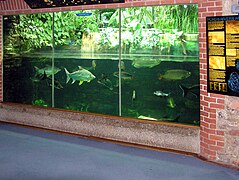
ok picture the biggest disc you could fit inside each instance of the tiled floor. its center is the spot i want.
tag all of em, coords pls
(35, 154)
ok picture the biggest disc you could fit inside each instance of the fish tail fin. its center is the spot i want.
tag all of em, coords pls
(195, 94)
(160, 77)
(185, 90)
(67, 76)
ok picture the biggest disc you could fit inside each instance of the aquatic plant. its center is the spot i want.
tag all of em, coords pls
(77, 107)
(39, 102)
(32, 31)
(71, 107)
(142, 27)
(181, 17)
(157, 27)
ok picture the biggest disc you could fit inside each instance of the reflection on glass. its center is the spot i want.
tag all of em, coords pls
(26, 78)
(87, 69)
(160, 50)
(154, 71)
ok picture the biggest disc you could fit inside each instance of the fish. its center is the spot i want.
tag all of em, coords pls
(133, 95)
(48, 70)
(124, 75)
(48, 80)
(146, 117)
(39, 77)
(105, 82)
(35, 79)
(175, 74)
(161, 94)
(57, 83)
(195, 90)
(171, 102)
(93, 63)
(145, 63)
(169, 119)
(92, 67)
(80, 75)
(121, 65)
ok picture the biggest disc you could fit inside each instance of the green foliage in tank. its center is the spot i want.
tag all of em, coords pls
(34, 31)
(156, 28)
(142, 28)
(39, 102)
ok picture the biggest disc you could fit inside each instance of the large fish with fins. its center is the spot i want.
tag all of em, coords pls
(195, 90)
(48, 70)
(80, 75)
(175, 74)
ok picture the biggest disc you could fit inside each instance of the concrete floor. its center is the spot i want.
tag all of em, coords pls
(35, 154)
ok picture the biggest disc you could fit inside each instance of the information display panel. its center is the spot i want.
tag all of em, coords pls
(223, 54)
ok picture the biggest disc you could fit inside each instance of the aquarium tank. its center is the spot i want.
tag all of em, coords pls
(138, 62)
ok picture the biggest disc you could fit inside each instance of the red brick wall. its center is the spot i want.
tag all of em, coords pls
(1, 98)
(214, 136)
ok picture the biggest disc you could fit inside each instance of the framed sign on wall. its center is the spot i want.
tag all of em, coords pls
(223, 54)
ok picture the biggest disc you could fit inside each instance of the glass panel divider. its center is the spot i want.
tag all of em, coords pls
(119, 64)
(52, 65)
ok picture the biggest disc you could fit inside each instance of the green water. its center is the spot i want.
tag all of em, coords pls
(138, 98)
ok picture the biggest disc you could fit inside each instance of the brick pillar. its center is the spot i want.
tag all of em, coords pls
(1, 95)
(211, 138)
(219, 135)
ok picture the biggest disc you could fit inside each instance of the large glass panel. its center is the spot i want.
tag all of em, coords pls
(160, 67)
(87, 61)
(25, 77)
(139, 62)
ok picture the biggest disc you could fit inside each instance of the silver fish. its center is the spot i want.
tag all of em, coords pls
(195, 90)
(133, 95)
(105, 82)
(48, 70)
(147, 118)
(80, 75)
(161, 94)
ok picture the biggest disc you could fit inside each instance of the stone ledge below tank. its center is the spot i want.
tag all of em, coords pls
(155, 134)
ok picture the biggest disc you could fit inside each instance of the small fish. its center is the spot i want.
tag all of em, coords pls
(121, 65)
(57, 83)
(93, 63)
(35, 79)
(124, 75)
(171, 102)
(146, 117)
(169, 119)
(161, 94)
(195, 90)
(92, 67)
(105, 82)
(39, 77)
(133, 95)
(80, 75)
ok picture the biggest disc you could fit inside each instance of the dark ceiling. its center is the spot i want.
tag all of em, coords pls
(63, 3)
